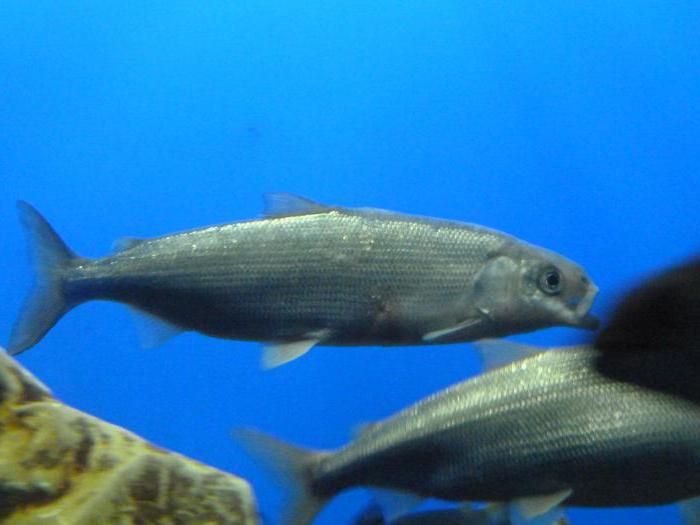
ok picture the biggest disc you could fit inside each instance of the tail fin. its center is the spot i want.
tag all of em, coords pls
(294, 468)
(46, 303)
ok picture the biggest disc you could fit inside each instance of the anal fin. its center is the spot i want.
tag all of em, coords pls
(533, 506)
(153, 331)
(278, 354)
(395, 503)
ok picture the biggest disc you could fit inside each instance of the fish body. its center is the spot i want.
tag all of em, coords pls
(315, 274)
(550, 424)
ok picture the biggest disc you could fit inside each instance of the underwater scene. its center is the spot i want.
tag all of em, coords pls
(267, 236)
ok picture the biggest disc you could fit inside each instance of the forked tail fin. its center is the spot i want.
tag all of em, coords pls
(46, 303)
(293, 467)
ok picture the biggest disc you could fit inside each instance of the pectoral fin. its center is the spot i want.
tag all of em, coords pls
(451, 330)
(534, 506)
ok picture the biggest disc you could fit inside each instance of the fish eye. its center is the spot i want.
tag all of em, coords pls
(551, 281)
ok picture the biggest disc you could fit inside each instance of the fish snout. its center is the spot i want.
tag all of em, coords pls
(582, 318)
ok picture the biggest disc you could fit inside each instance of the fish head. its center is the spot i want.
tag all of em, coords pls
(557, 290)
(525, 288)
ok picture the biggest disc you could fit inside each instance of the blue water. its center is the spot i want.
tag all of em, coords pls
(575, 126)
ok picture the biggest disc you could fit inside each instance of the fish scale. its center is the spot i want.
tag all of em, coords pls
(281, 252)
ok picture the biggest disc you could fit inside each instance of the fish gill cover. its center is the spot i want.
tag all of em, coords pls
(572, 127)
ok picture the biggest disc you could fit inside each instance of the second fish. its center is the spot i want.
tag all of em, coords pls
(310, 274)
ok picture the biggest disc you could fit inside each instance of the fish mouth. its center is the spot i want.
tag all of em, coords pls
(580, 316)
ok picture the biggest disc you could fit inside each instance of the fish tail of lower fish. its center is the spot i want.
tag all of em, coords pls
(293, 466)
(47, 302)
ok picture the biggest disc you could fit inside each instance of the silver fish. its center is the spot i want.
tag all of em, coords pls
(546, 430)
(310, 274)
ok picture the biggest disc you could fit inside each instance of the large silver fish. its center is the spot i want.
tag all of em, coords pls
(544, 430)
(310, 274)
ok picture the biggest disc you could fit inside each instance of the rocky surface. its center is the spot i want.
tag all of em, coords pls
(59, 466)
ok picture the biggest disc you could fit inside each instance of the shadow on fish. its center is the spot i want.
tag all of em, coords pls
(661, 313)
(308, 274)
(653, 336)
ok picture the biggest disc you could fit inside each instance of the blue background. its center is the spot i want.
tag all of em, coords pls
(573, 125)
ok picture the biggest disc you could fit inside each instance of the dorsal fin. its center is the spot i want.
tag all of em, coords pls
(126, 243)
(496, 353)
(361, 428)
(287, 205)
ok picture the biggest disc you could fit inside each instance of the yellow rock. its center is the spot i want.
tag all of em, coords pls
(59, 466)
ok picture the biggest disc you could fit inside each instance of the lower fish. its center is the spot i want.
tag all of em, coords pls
(545, 430)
